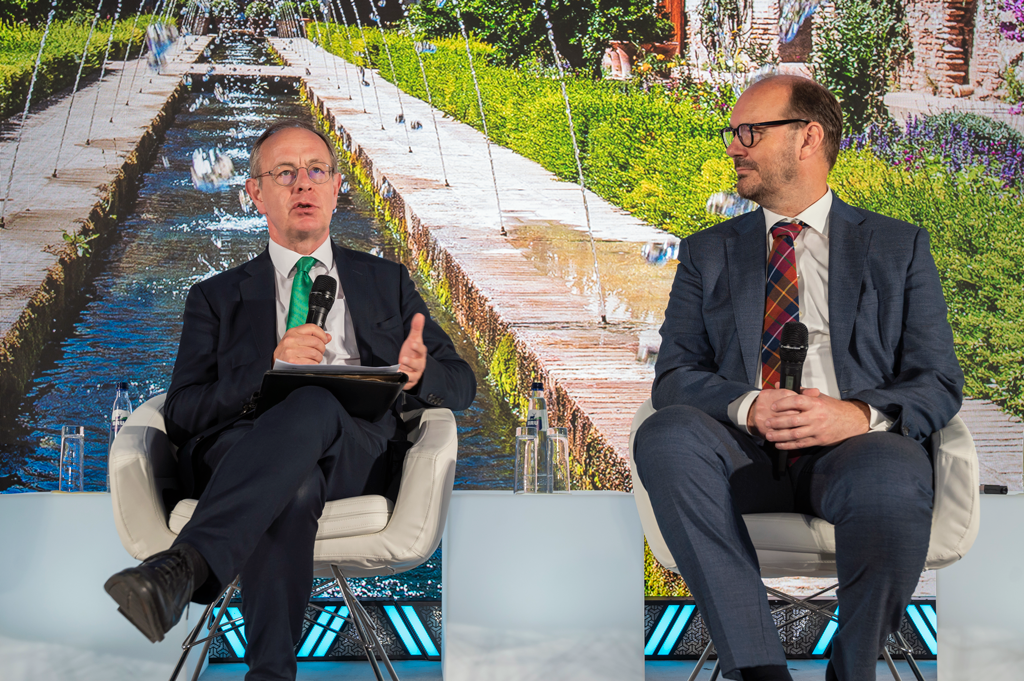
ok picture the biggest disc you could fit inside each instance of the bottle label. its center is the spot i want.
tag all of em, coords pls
(538, 420)
(118, 417)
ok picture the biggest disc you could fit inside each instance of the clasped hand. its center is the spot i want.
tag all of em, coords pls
(808, 419)
(307, 343)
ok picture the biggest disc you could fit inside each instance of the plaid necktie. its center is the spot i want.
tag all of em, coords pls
(782, 301)
(298, 310)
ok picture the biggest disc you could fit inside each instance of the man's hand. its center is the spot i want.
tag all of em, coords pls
(304, 344)
(761, 410)
(412, 358)
(811, 419)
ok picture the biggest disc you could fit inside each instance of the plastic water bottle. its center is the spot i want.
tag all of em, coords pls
(118, 415)
(537, 417)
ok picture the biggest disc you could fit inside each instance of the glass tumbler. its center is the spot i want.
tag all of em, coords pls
(558, 444)
(72, 459)
(526, 461)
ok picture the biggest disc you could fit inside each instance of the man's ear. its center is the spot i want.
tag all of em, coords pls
(812, 140)
(252, 187)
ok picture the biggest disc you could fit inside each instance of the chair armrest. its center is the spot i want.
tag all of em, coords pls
(136, 485)
(956, 511)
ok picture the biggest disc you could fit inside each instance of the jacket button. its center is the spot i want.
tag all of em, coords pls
(906, 431)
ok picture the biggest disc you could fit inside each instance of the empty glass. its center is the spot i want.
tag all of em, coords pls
(72, 459)
(526, 461)
(558, 447)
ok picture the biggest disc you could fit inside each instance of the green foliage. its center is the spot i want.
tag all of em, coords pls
(19, 45)
(80, 242)
(658, 581)
(857, 51)
(224, 9)
(654, 152)
(258, 9)
(1013, 81)
(516, 28)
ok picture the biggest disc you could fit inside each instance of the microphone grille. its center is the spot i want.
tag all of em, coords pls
(793, 344)
(324, 291)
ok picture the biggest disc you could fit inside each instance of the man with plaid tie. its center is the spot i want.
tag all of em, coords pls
(880, 377)
(262, 482)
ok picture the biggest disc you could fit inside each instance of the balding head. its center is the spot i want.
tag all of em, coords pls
(804, 98)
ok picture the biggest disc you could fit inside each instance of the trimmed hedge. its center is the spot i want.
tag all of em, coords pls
(19, 45)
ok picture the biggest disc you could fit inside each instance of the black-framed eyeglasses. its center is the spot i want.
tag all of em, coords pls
(286, 174)
(745, 131)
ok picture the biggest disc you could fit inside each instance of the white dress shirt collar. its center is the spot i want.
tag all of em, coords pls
(815, 216)
(284, 259)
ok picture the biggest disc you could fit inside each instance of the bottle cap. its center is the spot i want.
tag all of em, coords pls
(537, 386)
(122, 385)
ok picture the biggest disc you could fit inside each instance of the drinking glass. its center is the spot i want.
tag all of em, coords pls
(558, 445)
(72, 459)
(526, 461)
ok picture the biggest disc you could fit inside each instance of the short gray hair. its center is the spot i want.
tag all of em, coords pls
(255, 156)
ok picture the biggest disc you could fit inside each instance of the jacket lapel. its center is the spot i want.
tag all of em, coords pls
(848, 241)
(352, 276)
(746, 261)
(259, 298)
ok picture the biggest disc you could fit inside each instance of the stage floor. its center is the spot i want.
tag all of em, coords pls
(415, 670)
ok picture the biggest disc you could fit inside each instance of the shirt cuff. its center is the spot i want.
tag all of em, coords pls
(740, 408)
(878, 422)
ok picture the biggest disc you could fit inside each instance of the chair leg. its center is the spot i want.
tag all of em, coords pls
(892, 665)
(703, 658)
(190, 640)
(365, 628)
(908, 655)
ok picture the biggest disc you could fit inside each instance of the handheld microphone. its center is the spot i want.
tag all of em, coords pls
(321, 298)
(792, 353)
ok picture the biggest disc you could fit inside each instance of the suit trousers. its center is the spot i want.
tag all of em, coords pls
(702, 475)
(258, 515)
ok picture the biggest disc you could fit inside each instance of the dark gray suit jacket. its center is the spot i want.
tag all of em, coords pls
(230, 332)
(892, 346)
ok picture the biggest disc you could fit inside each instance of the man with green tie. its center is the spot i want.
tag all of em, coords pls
(262, 483)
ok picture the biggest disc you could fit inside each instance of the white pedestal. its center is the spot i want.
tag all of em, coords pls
(981, 599)
(541, 587)
(56, 621)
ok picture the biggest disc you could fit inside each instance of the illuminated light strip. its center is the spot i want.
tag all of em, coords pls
(231, 636)
(677, 629)
(420, 630)
(403, 631)
(333, 627)
(314, 632)
(929, 612)
(659, 630)
(826, 636)
(922, 629)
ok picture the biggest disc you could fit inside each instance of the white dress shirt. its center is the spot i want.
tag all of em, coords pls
(342, 349)
(811, 247)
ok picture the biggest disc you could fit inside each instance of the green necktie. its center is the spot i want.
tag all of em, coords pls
(301, 285)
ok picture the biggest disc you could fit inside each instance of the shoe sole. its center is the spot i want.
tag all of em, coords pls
(135, 602)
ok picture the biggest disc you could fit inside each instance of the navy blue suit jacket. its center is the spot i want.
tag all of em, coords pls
(229, 335)
(892, 346)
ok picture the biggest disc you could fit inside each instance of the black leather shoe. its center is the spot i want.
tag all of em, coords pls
(153, 595)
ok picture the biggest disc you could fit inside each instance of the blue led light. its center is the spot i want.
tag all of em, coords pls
(333, 627)
(421, 631)
(659, 630)
(677, 629)
(231, 636)
(929, 612)
(403, 631)
(826, 636)
(314, 632)
(922, 629)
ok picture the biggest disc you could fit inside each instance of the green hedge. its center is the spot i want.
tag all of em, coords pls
(657, 155)
(19, 45)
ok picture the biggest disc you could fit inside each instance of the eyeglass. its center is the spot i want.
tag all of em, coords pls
(286, 174)
(745, 131)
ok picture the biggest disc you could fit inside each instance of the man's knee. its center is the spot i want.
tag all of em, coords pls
(885, 476)
(667, 432)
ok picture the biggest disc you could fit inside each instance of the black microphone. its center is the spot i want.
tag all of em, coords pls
(792, 353)
(321, 298)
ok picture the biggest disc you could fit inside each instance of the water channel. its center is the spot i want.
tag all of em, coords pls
(129, 324)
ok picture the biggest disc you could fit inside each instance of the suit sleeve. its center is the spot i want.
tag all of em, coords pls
(686, 371)
(200, 396)
(447, 380)
(927, 388)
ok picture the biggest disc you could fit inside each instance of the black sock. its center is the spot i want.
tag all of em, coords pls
(771, 672)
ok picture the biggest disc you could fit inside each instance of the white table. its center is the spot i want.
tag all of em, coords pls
(541, 587)
(981, 599)
(56, 621)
